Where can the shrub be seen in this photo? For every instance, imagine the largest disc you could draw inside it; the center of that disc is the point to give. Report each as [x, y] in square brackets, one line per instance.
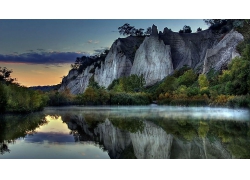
[239, 101]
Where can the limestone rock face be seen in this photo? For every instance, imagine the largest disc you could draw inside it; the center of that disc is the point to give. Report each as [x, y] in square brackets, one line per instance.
[222, 53]
[77, 83]
[119, 60]
[189, 48]
[153, 60]
[154, 31]
[118, 63]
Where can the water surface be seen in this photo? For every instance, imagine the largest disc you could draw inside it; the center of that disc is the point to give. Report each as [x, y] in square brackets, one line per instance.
[126, 132]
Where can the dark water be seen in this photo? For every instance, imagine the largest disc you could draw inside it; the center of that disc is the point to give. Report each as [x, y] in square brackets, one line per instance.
[127, 132]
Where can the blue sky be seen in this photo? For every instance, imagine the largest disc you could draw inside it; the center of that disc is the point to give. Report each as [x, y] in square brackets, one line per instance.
[86, 35]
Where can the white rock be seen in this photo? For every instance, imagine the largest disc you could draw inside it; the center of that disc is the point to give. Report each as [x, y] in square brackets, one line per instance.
[153, 60]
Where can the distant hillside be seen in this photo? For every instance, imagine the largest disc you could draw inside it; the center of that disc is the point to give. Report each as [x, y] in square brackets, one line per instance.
[46, 88]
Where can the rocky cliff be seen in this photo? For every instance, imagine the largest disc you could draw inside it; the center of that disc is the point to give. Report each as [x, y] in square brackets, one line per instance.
[119, 60]
[221, 54]
[153, 59]
[77, 82]
[157, 56]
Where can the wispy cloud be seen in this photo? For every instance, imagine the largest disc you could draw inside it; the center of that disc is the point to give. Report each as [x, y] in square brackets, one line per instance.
[40, 49]
[93, 42]
[41, 57]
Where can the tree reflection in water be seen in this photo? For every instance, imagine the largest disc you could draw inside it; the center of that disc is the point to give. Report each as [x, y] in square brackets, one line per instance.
[15, 126]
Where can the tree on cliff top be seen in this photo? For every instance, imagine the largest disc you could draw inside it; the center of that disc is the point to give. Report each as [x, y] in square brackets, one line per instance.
[225, 25]
[148, 31]
[127, 30]
[186, 29]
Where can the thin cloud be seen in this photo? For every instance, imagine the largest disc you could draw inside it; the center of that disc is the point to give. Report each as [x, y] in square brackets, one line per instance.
[40, 49]
[42, 57]
[93, 42]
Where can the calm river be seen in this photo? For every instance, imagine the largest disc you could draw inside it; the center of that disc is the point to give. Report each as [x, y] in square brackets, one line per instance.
[126, 132]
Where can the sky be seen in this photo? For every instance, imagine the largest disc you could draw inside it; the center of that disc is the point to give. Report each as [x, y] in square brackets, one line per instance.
[40, 51]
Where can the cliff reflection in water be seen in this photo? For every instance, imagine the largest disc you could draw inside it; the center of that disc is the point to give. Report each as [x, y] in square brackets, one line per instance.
[127, 132]
[163, 132]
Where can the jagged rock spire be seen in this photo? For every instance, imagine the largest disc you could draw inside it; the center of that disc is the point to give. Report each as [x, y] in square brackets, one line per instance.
[154, 31]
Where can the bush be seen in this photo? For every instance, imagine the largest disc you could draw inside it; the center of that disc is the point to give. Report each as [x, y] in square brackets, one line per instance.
[239, 102]
[21, 99]
[129, 99]
[188, 78]
[3, 98]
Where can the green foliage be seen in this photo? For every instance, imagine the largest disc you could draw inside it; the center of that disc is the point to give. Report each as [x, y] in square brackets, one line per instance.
[61, 98]
[236, 80]
[203, 82]
[192, 91]
[15, 98]
[212, 77]
[132, 83]
[132, 125]
[3, 97]
[246, 52]
[129, 98]
[181, 71]
[239, 102]
[94, 94]
[225, 25]
[168, 85]
[22, 99]
[93, 83]
[188, 78]
[203, 129]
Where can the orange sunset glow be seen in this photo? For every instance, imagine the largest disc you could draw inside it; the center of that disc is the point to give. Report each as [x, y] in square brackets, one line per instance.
[34, 75]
